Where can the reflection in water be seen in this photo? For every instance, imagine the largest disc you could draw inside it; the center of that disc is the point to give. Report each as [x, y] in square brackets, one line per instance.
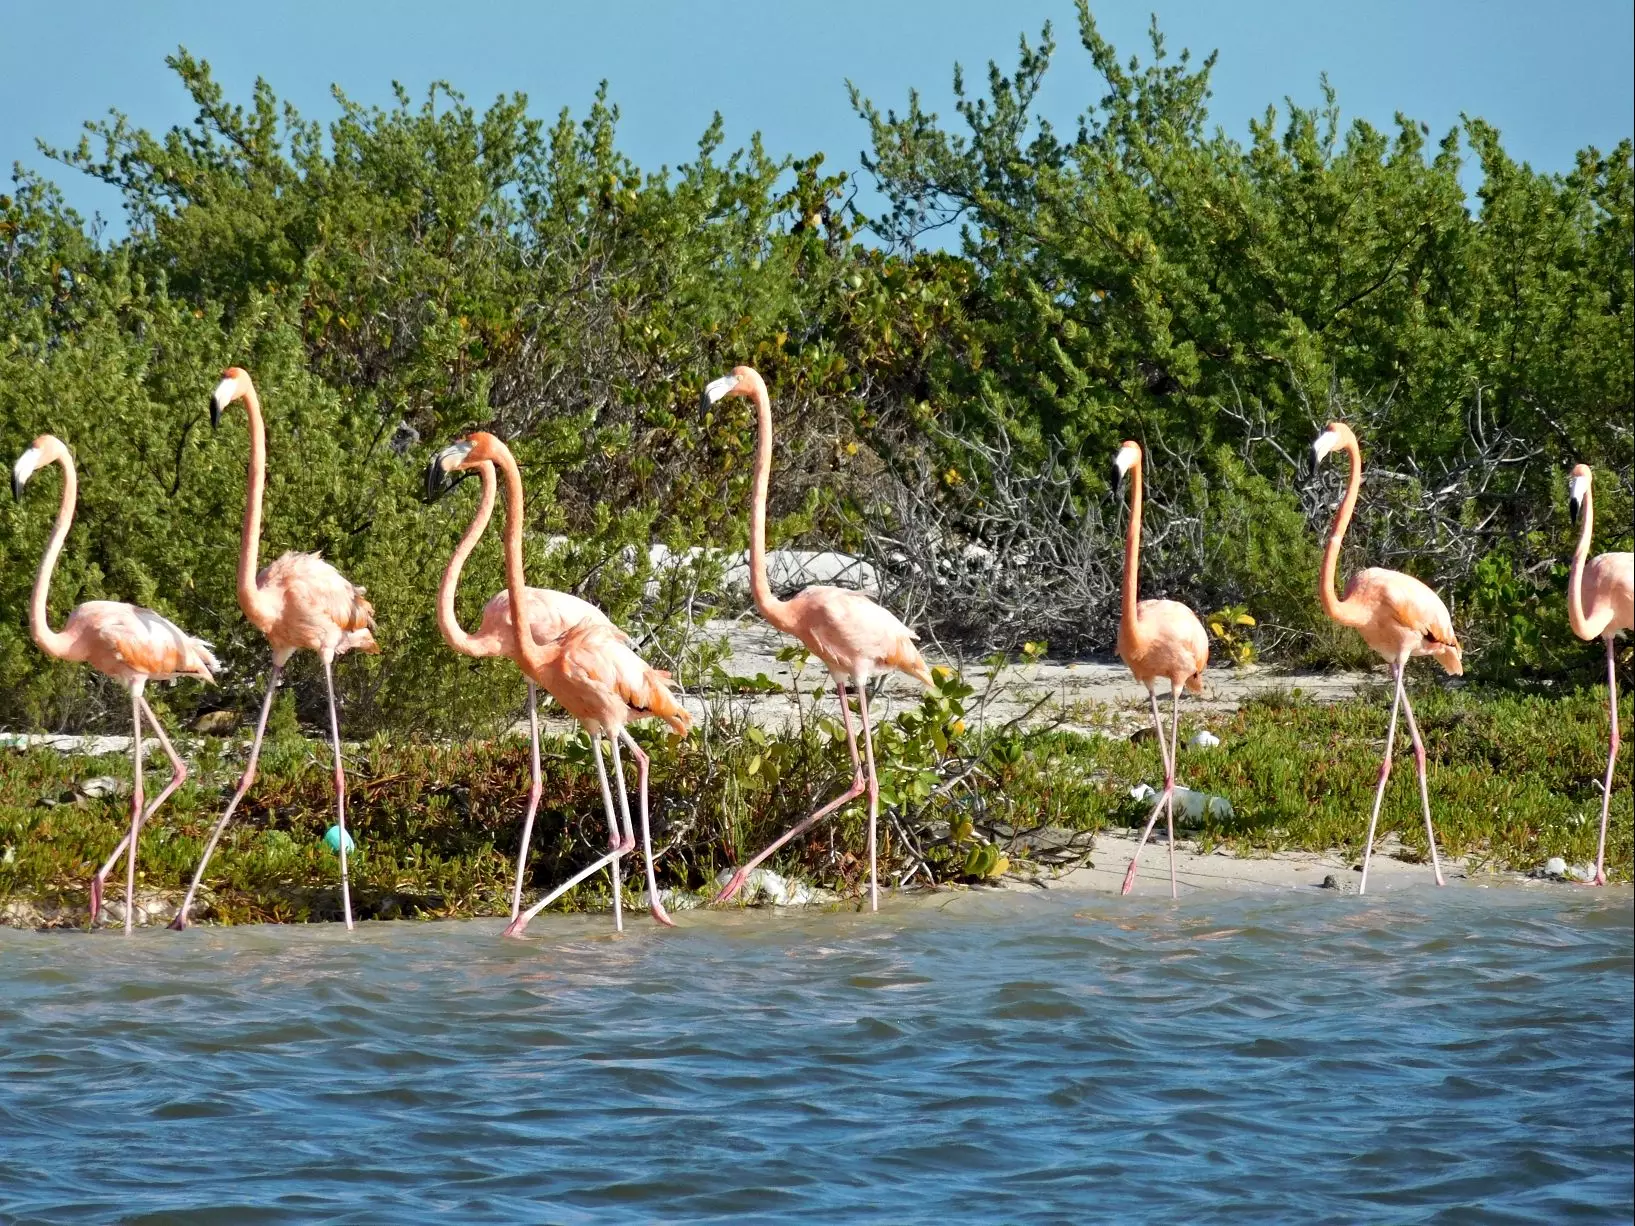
[1229, 1058]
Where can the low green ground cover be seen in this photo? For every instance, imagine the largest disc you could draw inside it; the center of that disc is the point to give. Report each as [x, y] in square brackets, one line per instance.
[1514, 779]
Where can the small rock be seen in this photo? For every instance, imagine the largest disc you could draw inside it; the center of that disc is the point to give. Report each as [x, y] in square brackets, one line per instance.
[1331, 882]
[1142, 792]
[1203, 739]
[100, 786]
[769, 888]
[216, 723]
[1142, 734]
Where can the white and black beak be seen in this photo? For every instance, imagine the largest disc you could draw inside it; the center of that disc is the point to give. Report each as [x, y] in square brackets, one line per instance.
[1578, 489]
[23, 470]
[226, 391]
[717, 389]
[444, 472]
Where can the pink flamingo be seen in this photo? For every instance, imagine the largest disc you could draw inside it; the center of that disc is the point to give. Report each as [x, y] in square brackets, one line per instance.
[551, 613]
[123, 641]
[854, 637]
[1158, 640]
[300, 602]
[596, 678]
[1399, 617]
[1600, 601]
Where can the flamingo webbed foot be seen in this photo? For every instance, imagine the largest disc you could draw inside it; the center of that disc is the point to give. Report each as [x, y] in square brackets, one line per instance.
[178, 924]
[516, 926]
[732, 887]
[662, 916]
[96, 898]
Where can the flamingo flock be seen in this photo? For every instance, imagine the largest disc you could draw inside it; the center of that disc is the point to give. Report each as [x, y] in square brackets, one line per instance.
[576, 654]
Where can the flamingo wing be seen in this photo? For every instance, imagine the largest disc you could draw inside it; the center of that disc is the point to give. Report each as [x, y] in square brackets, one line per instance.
[145, 643]
[596, 658]
[846, 628]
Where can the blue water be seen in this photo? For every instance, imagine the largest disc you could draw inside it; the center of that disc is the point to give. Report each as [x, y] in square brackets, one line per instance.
[1458, 1055]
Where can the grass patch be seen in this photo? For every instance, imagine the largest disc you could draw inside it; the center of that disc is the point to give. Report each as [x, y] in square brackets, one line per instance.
[1514, 779]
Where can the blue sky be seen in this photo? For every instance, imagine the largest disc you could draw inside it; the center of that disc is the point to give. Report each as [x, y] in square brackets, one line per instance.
[1552, 77]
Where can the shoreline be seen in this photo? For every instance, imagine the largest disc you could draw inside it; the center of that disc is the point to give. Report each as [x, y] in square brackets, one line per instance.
[1220, 871]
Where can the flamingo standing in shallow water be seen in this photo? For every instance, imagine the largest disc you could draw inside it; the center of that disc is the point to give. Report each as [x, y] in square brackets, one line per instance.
[1158, 640]
[596, 678]
[130, 644]
[300, 602]
[1600, 602]
[854, 637]
[1399, 617]
[550, 615]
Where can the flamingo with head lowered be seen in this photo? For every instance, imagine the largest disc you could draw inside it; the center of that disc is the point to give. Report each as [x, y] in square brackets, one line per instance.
[591, 672]
[1600, 603]
[854, 637]
[550, 614]
[1399, 617]
[1159, 641]
[301, 603]
[123, 641]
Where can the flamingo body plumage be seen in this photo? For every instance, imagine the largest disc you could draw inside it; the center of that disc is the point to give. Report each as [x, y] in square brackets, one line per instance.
[126, 642]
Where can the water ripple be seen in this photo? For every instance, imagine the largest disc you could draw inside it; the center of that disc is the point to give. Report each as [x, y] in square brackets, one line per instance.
[1458, 1056]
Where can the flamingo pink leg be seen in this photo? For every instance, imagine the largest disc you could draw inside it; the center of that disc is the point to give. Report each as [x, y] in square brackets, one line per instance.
[1612, 759]
[874, 795]
[177, 778]
[616, 840]
[1385, 773]
[850, 794]
[136, 811]
[535, 789]
[340, 788]
[517, 926]
[1167, 795]
[1169, 806]
[1424, 793]
[653, 903]
[180, 922]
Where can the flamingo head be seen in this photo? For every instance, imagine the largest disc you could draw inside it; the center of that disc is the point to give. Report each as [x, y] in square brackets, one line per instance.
[234, 385]
[442, 472]
[1578, 489]
[741, 382]
[1129, 455]
[44, 450]
[1336, 436]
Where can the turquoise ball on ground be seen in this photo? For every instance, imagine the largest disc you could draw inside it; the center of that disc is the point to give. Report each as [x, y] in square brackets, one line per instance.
[332, 840]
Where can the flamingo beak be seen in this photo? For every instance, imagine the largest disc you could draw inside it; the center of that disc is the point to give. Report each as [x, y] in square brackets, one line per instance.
[440, 472]
[226, 392]
[1125, 460]
[23, 470]
[1326, 442]
[1576, 492]
[716, 389]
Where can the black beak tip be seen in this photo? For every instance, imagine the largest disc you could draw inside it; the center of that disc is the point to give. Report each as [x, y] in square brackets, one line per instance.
[215, 413]
[434, 483]
[16, 488]
[1574, 510]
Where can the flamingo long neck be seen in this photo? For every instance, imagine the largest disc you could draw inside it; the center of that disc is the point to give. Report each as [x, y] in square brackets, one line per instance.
[453, 633]
[1581, 625]
[1340, 610]
[49, 640]
[256, 607]
[1129, 626]
[774, 610]
[530, 655]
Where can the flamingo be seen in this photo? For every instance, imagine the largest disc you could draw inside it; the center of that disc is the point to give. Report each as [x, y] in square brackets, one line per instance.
[593, 674]
[854, 637]
[551, 613]
[132, 645]
[1158, 640]
[1399, 617]
[1600, 596]
[300, 602]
